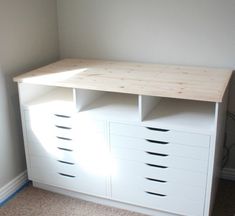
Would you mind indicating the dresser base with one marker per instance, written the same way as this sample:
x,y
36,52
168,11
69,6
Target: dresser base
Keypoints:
x,y
101,201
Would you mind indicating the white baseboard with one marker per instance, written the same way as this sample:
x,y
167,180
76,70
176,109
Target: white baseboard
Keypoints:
x,y
13,186
228,173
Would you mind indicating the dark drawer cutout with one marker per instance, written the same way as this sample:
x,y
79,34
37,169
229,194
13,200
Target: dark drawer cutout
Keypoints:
x,y
62,116
67,175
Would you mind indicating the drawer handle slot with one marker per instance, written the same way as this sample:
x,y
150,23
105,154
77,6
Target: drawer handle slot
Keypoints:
x,y
65,162
157,166
64,138
157,129
63,127
155,194
62,116
156,180
158,142
65,149
157,154
66,175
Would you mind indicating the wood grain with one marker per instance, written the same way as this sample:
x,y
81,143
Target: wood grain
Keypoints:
x,y
183,82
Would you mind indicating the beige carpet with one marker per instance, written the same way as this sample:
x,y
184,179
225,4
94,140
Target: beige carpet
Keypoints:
x,y
35,202
225,199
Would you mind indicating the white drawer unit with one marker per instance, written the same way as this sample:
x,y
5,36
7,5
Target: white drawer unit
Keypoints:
x,y
159,168
148,136
62,152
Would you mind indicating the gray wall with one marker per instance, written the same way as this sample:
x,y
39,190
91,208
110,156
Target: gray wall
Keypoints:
x,y
28,39
191,32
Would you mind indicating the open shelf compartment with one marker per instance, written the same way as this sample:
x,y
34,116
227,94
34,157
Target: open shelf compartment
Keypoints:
x,y
47,98
178,114
108,105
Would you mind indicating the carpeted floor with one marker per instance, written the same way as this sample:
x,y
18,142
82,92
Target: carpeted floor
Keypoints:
x,y
225,199
36,202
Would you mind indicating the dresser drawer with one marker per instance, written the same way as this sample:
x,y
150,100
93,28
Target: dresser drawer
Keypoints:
x,y
67,166
44,119
64,131
51,177
153,200
49,171
63,120
44,132
43,142
176,191
166,188
160,134
176,176
169,148
84,147
160,159
68,176
44,122
64,142
51,150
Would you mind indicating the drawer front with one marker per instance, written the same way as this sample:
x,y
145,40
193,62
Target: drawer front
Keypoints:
x,y
53,172
161,173
67,143
47,118
160,134
67,175
149,199
66,166
54,146
84,148
63,120
44,131
48,124
46,176
169,148
133,183
62,131
180,176
164,160
176,191
58,153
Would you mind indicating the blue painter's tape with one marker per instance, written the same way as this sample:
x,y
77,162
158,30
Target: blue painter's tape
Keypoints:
x,y
13,194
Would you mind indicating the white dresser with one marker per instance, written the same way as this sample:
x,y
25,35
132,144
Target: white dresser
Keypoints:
x,y
143,137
